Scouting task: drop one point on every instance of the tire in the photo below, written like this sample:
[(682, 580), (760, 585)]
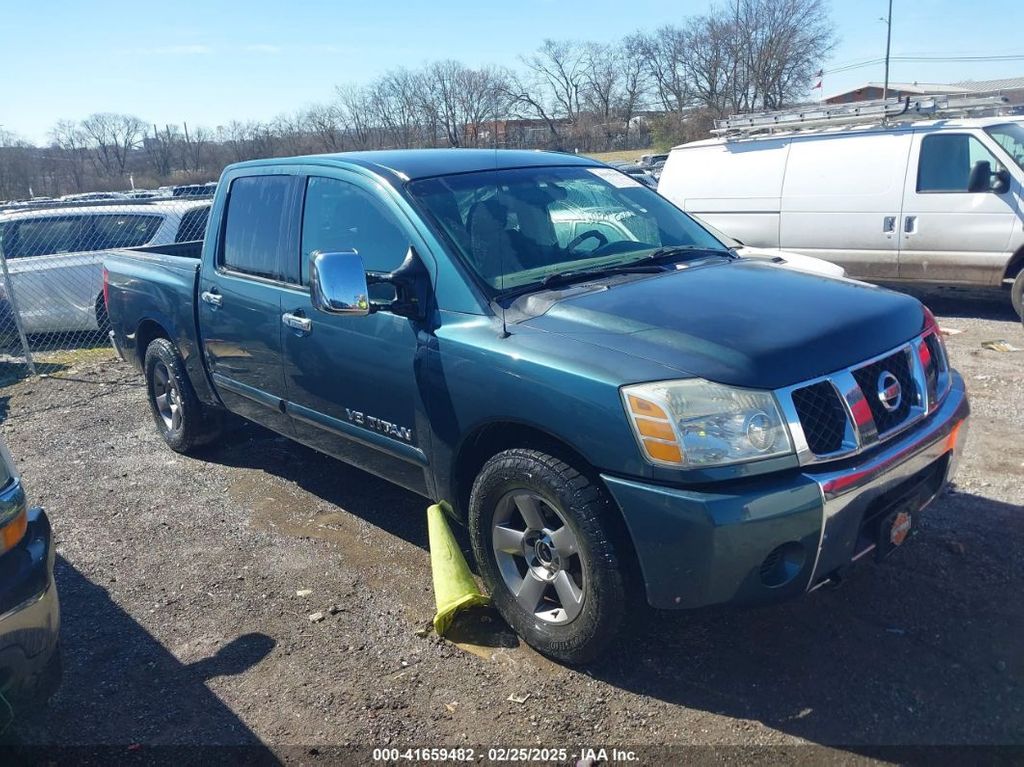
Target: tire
[(1017, 295), (182, 420), (35, 695), (568, 565), (102, 321)]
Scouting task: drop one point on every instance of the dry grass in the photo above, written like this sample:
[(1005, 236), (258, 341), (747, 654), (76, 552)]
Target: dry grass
[(623, 155)]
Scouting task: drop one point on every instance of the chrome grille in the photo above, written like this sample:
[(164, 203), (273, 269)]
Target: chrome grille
[(822, 415), (868, 379), (842, 414)]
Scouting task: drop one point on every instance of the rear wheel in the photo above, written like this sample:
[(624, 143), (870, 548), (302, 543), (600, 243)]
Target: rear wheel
[(182, 420), (544, 547)]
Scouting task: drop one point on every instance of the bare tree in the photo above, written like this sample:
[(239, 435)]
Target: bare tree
[(69, 145), (114, 136)]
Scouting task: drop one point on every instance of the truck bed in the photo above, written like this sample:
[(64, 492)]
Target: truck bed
[(152, 292)]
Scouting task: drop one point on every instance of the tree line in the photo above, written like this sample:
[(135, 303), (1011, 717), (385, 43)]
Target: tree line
[(650, 87)]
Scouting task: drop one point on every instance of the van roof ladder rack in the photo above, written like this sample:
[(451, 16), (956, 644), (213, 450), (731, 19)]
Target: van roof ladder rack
[(860, 112)]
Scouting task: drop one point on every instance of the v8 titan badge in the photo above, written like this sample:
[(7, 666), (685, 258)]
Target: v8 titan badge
[(900, 528)]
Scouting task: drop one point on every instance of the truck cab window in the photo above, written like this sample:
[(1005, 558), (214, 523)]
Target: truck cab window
[(946, 161), (259, 235), (341, 216)]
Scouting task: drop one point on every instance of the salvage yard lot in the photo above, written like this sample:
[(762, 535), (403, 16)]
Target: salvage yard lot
[(182, 623)]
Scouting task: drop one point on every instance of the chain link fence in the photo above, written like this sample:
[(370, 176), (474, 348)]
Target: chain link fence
[(53, 316)]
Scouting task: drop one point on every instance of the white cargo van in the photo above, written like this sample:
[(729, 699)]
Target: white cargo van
[(936, 201)]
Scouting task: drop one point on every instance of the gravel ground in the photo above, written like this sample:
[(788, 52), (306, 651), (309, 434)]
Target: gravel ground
[(182, 625)]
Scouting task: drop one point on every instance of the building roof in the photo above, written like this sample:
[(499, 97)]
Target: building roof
[(920, 88), (409, 164), (1005, 84)]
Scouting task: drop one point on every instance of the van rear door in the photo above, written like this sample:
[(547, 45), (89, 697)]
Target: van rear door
[(948, 234), (841, 200)]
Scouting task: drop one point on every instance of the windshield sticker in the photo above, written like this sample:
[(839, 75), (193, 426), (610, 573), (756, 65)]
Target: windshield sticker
[(615, 178)]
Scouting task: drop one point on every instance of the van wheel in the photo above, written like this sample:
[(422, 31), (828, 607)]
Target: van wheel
[(545, 551), (1017, 294), (182, 420)]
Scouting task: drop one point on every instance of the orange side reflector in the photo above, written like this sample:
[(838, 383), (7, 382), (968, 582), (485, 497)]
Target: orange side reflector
[(12, 533), (954, 435), (663, 452), (645, 408), (657, 429)]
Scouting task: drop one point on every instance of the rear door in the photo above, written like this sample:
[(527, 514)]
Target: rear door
[(949, 235), (240, 294), (841, 200)]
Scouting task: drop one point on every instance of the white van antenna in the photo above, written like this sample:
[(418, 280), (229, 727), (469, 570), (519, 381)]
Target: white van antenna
[(858, 112)]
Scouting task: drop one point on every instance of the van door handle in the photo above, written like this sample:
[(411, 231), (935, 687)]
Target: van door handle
[(889, 224), (910, 225), (301, 325), (212, 297)]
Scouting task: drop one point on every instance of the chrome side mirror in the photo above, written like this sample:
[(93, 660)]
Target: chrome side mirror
[(337, 284)]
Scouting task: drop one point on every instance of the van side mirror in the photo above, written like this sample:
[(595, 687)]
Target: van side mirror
[(984, 179), (980, 179), (1001, 181), (337, 284)]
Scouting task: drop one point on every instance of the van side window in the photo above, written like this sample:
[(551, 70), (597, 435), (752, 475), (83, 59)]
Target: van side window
[(193, 225), (117, 231), (341, 216), (260, 235), (946, 160), (46, 236)]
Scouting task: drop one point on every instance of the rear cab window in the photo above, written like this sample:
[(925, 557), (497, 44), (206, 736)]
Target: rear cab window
[(260, 227)]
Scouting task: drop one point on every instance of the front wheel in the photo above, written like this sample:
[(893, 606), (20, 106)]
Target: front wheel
[(182, 420), (544, 547)]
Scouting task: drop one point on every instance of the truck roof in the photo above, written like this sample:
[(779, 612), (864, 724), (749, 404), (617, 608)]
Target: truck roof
[(408, 164)]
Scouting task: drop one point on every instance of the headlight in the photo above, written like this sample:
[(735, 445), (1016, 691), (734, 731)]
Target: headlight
[(696, 423), (13, 519)]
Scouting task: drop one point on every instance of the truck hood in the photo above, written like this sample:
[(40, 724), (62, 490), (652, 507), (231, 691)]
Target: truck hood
[(742, 323)]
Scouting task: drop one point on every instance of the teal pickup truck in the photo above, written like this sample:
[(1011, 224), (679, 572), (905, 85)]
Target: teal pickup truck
[(620, 409)]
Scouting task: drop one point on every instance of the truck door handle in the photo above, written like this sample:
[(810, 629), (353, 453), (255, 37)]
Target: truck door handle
[(302, 325), (889, 224), (910, 225), (212, 297)]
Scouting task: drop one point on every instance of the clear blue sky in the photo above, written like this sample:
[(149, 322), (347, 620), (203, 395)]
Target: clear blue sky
[(212, 61)]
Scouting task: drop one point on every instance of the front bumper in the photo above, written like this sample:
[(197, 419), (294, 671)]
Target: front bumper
[(773, 537), (29, 607)]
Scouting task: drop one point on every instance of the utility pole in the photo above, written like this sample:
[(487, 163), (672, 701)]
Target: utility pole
[(888, 43)]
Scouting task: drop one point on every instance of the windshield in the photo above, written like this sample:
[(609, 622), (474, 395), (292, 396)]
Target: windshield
[(1011, 138), (517, 226)]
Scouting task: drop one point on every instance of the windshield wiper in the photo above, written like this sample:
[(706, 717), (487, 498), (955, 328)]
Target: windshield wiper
[(582, 275), (683, 253)]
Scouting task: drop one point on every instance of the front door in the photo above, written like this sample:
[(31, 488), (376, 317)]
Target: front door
[(948, 234), (240, 295), (351, 381)]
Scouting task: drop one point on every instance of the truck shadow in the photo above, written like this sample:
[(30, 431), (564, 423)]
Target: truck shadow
[(124, 695), (375, 500), (923, 648)]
